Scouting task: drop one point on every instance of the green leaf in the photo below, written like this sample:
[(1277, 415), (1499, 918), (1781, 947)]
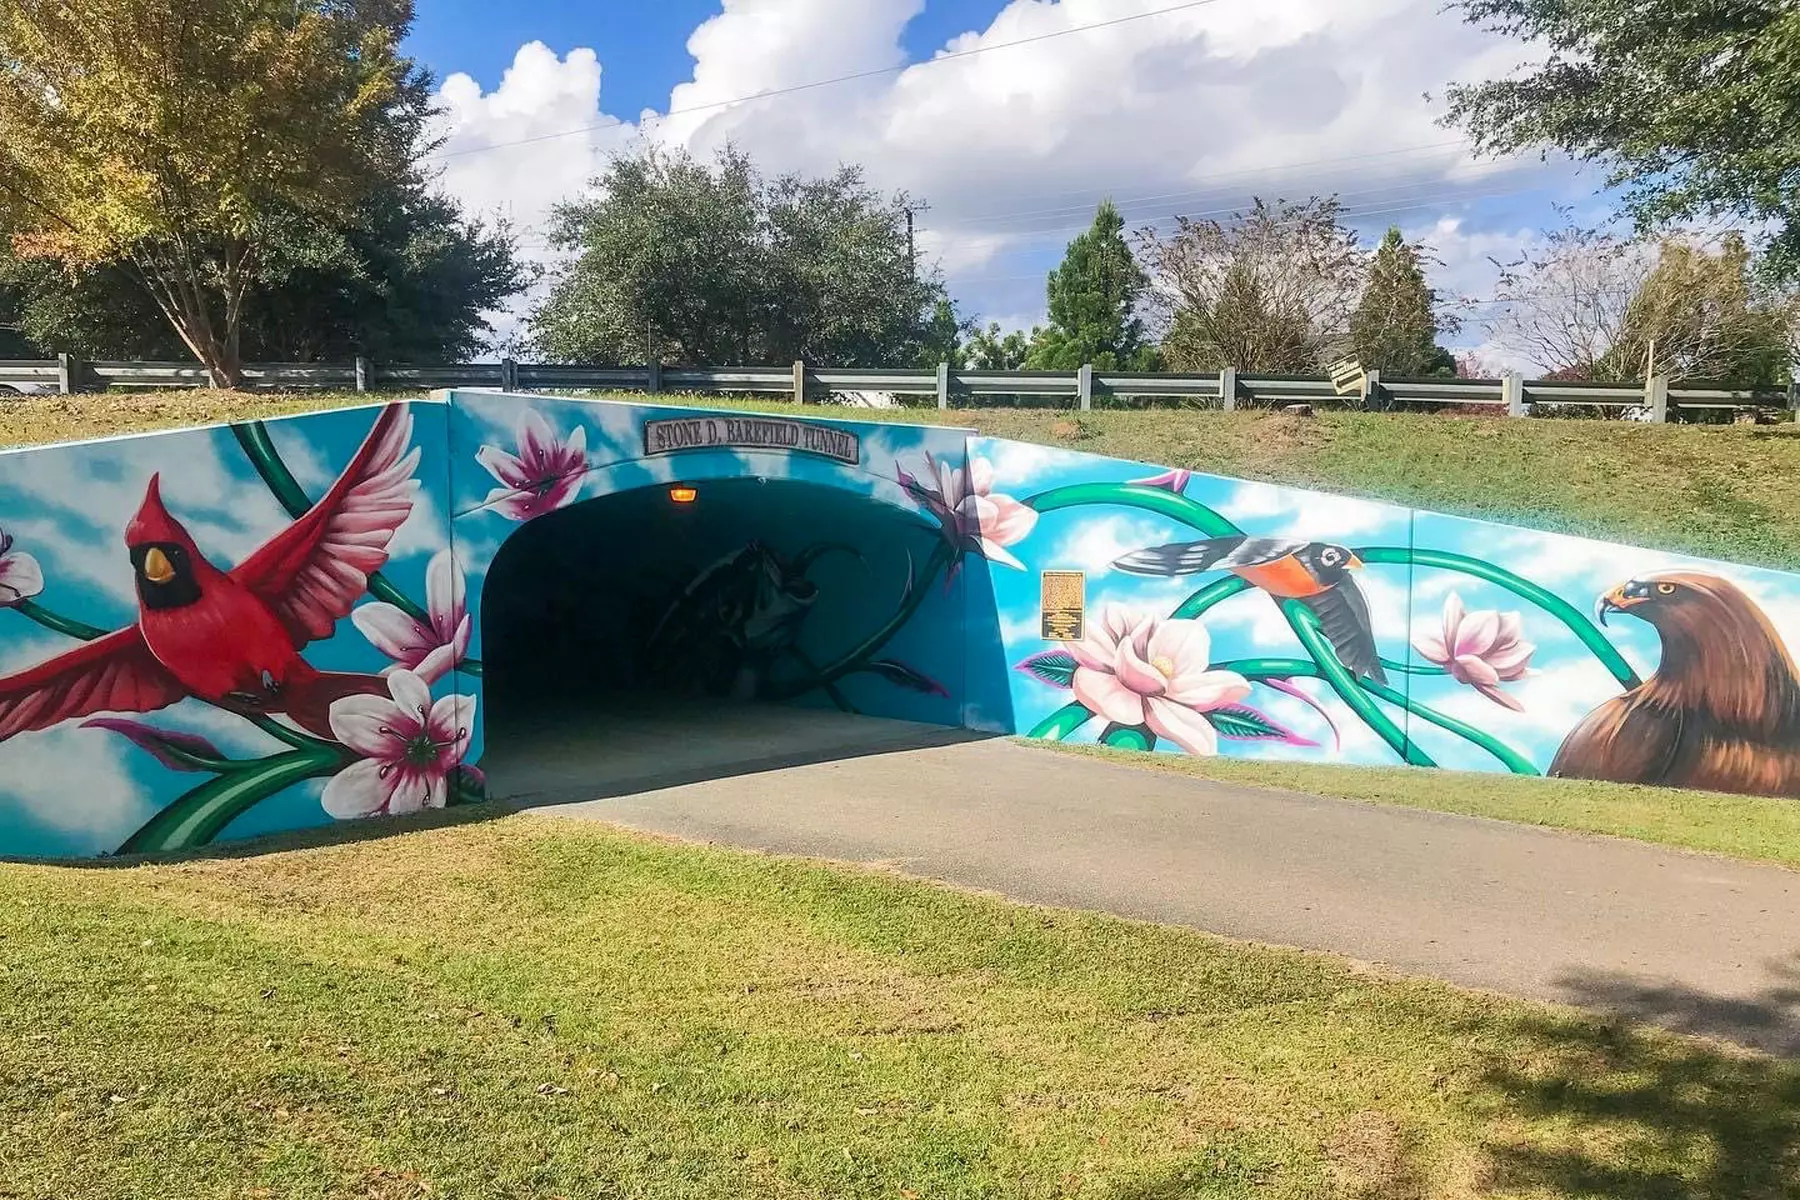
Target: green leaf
[(1128, 737), (1054, 667)]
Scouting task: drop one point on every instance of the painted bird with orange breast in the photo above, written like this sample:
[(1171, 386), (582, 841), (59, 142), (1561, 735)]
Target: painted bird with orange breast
[(1317, 574), (1722, 711), (233, 638)]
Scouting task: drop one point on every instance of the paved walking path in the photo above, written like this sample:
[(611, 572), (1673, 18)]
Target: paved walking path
[(1696, 943)]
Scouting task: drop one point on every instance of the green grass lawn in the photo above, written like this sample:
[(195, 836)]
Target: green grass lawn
[(1757, 827), (530, 1007), (1726, 492)]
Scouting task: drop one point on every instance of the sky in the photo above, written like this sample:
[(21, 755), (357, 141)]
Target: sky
[(1170, 108)]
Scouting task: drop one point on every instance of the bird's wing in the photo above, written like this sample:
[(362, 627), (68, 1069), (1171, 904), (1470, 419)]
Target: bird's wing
[(1179, 558), (115, 673), (311, 573), (1344, 616), (1256, 552)]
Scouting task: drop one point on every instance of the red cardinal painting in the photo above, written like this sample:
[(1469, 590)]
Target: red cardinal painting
[(233, 638)]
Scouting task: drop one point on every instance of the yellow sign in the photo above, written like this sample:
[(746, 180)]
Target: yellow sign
[(1063, 601), (1348, 377)]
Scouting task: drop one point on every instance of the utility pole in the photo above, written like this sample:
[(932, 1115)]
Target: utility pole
[(912, 253)]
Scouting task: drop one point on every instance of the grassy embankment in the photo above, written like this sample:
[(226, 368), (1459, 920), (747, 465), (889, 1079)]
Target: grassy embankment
[(532, 1007)]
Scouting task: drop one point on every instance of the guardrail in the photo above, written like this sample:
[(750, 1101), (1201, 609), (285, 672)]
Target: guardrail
[(1229, 389)]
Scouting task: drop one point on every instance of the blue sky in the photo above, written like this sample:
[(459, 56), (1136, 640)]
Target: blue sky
[(1171, 113)]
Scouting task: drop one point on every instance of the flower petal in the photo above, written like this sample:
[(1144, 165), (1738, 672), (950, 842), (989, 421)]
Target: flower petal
[(981, 475), (445, 593), (1453, 619), (1476, 634), (1185, 643), (1183, 726), (393, 632), (995, 552), (1501, 698), (373, 726), (504, 467), (1474, 670), (410, 693), (1102, 693), (1431, 647), (356, 791), (1135, 671), (452, 724), (20, 578), (1208, 690)]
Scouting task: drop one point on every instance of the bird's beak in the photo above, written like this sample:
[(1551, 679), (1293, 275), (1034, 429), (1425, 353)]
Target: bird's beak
[(1355, 563), (157, 567), (1612, 602)]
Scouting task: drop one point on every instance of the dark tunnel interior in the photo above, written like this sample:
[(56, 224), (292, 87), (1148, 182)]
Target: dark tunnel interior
[(742, 594)]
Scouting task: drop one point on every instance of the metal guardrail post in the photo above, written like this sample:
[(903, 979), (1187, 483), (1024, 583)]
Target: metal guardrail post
[(653, 376), (1793, 398), (943, 385), (1228, 388), (800, 382), (1512, 390), (68, 374), (1371, 395), (364, 375), (1084, 386), (1656, 395), (509, 375)]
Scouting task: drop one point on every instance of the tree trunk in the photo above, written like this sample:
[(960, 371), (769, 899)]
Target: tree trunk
[(175, 282)]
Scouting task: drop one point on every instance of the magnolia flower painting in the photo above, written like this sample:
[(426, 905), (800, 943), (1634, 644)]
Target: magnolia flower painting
[(973, 515), (1136, 669), (544, 474), (410, 746), (1480, 649)]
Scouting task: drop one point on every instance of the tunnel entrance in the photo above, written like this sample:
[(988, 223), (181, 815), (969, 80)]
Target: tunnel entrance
[(669, 634)]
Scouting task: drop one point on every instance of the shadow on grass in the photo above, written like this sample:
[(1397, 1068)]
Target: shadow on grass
[(343, 833), (1632, 1114)]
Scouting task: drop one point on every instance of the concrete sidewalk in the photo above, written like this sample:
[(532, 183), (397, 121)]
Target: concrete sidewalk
[(1695, 943)]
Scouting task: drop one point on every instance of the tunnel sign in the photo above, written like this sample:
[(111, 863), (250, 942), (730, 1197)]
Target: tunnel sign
[(1062, 603), (751, 433)]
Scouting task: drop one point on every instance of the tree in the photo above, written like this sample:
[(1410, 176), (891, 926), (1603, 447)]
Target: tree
[(991, 350), (1395, 325), (713, 264), (409, 281), (177, 140), (1094, 297), (1269, 290), (1693, 104), (1595, 305)]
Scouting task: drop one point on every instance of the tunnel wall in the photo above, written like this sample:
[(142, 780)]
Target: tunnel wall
[(1479, 650)]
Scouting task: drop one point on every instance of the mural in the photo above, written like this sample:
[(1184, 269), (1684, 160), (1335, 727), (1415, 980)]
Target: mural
[(224, 632), (1302, 626)]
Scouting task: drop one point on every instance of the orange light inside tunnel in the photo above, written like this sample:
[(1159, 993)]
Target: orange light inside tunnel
[(682, 494)]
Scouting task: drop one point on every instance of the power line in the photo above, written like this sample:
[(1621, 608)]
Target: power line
[(820, 83)]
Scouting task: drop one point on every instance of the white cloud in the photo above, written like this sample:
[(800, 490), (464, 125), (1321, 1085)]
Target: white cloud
[(1190, 111), (75, 780), (1270, 511)]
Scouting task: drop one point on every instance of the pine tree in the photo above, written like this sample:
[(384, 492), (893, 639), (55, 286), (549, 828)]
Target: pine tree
[(1395, 326), (1094, 299)]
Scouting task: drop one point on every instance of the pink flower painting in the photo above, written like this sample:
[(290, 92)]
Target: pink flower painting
[(20, 576), (543, 476), (428, 648), (974, 516), (1482, 649), (1134, 669), (409, 745)]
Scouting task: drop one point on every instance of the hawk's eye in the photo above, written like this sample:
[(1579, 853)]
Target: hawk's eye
[(1665, 589)]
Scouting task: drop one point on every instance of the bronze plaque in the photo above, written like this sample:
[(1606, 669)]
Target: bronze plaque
[(1063, 601)]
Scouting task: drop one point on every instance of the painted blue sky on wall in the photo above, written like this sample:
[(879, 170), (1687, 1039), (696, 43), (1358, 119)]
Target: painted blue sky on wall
[(1405, 603)]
